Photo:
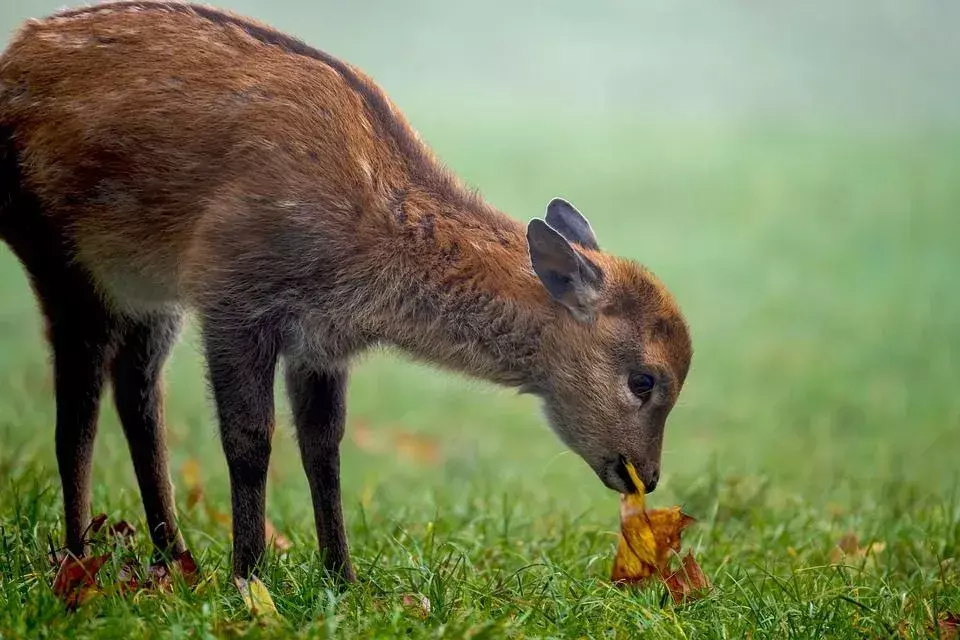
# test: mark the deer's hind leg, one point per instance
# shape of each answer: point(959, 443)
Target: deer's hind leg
point(136, 373)
point(82, 333)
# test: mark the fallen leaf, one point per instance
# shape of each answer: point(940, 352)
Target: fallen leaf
point(417, 604)
point(256, 597)
point(647, 538)
point(221, 518)
point(849, 543)
point(96, 524)
point(848, 548)
point(279, 541)
point(689, 582)
point(949, 626)
point(128, 578)
point(190, 472)
point(417, 448)
point(194, 496)
point(122, 529)
point(187, 567)
point(411, 446)
point(365, 438)
point(76, 579)
point(903, 629)
point(160, 575)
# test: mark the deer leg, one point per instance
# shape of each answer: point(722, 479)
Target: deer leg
point(138, 395)
point(319, 411)
point(81, 347)
point(81, 333)
point(242, 363)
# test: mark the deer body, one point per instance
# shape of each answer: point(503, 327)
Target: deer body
point(156, 156)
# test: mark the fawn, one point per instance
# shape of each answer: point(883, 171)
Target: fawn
point(157, 156)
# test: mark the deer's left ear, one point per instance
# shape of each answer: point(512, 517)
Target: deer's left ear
point(568, 277)
point(570, 223)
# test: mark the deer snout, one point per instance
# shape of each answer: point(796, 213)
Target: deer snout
point(614, 474)
point(647, 470)
point(650, 475)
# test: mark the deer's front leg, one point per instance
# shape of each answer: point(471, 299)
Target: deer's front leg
point(242, 363)
point(319, 410)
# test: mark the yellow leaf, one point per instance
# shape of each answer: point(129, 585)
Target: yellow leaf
point(647, 538)
point(256, 597)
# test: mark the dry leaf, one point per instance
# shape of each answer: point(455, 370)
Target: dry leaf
point(190, 472)
point(949, 626)
point(417, 448)
point(128, 578)
point(279, 541)
point(688, 582)
point(221, 518)
point(194, 496)
point(647, 538)
point(365, 438)
point(417, 604)
point(411, 446)
point(256, 597)
point(76, 579)
point(123, 529)
point(848, 548)
point(96, 524)
point(187, 567)
point(160, 576)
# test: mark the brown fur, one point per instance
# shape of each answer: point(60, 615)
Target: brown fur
point(158, 155)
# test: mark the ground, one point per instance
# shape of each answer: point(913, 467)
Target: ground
point(817, 267)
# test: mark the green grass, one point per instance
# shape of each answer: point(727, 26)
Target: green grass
point(818, 269)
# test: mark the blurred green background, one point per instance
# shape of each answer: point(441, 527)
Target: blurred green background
point(790, 170)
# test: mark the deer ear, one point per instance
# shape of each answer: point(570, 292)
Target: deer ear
point(570, 223)
point(568, 277)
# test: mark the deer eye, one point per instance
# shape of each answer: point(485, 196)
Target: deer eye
point(641, 384)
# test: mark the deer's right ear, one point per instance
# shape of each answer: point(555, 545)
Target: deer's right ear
point(570, 223)
point(568, 277)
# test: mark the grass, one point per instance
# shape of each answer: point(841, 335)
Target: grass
point(817, 267)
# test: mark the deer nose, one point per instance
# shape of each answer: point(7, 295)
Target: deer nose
point(651, 478)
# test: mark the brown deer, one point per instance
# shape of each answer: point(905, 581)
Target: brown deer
point(157, 156)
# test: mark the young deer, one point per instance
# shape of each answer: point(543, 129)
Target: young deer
point(156, 156)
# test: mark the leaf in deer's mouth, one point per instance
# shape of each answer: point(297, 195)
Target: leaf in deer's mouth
point(648, 539)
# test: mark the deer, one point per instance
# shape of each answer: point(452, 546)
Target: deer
point(160, 159)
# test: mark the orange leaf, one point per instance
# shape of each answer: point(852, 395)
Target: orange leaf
point(279, 541)
point(848, 547)
point(194, 496)
point(949, 626)
point(667, 525)
point(187, 567)
point(160, 576)
point(417, 448)
point(689, 582)
point(123, 529)
point(365, 438)
point(647, 538)
point(190, 472)
point(96, 524)
point(76, 579)
point(218, 516)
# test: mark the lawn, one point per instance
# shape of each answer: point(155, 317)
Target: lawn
point(817, 269)
point(816, 260)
